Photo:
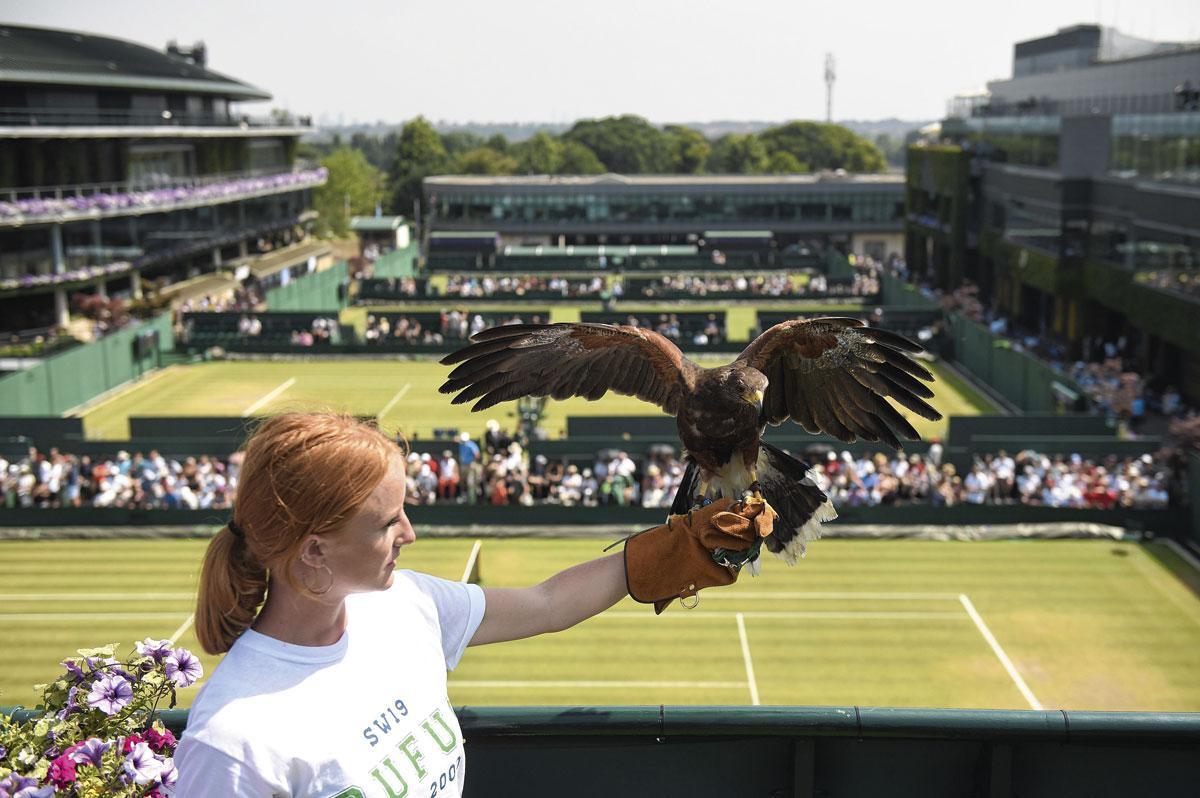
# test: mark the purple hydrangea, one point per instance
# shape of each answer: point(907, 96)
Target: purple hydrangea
point(90, 752)
point(183, 668)
point(142, 765)
point(110, 694)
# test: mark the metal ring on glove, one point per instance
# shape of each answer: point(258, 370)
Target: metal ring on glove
point(695, 601)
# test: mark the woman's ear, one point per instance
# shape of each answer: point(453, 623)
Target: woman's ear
point(313, 551)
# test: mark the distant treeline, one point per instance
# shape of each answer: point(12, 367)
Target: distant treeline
point(622, 144)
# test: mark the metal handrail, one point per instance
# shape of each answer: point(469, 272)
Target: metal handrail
point(34, 117)
point(798, 721)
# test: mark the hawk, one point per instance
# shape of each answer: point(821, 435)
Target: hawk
point(832, 375)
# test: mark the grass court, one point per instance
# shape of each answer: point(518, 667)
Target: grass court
point(1055, 624)
point(402, 394)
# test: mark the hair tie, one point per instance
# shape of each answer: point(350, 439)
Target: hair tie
point(236, 530)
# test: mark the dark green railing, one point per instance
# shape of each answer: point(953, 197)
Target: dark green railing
point(823, 751)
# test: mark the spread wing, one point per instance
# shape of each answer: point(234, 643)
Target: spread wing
point(564, 360)
point(832, 375)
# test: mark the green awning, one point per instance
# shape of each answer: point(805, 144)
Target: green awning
point(485, 235)
point(376, 224)
point(738, 234)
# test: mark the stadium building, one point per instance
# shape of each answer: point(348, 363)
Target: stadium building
point(1070, 194)
point(859, 213)
point(123, 164)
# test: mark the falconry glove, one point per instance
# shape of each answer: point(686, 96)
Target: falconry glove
point(705, 548)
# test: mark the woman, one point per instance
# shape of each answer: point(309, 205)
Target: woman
point(337, 685)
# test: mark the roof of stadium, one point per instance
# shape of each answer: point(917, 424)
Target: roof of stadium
point(60, 57)
point(584, 181)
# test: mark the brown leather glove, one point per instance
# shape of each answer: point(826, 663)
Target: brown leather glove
point(678, 558)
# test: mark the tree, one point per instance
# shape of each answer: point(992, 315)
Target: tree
point(577, 159)
point(459, 141)
point(823, 146)
point(498, 143)
point(352, 182)
point(784, 163)
point(738, 154)
point(419, 153)
point(538, 155)
point(689, 150)
point(485, 161)
point(626, 144)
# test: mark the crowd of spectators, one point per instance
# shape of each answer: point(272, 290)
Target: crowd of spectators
point(497, 470)
point(1105, 371)
point(765, 285)
point(150, 481)
point(470, 286)
point(1028, 478)
point(247, 297)
point(700, 332)
point(450, 325)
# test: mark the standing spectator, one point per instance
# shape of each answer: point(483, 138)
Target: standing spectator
point(448, 477)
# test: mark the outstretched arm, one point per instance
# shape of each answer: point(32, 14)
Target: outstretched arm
point(559, 603)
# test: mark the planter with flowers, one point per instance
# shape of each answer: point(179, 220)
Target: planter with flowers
point(96, 731)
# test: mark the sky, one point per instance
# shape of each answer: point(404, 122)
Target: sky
point(557, 61)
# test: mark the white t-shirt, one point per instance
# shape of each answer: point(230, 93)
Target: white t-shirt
point(366, 716)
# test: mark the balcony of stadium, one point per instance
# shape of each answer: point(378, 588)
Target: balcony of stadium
point(129, 169)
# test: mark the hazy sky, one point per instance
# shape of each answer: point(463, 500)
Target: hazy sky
point(668, 60)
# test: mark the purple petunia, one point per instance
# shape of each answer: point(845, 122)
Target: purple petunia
point(90, 752)
point(155, 649)
point(183, 667)
point(169, 774)
point(142, 765)
point(110, 693)
point(14, 786)
point(73, 669)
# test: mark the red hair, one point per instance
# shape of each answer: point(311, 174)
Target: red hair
point(304, 474)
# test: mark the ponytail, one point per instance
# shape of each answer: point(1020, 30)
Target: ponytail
point(232, 587)
point(284, 493)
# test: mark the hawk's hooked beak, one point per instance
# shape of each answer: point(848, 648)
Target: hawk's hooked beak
point(756, 398)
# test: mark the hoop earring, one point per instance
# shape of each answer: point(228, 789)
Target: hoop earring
point(322, 591)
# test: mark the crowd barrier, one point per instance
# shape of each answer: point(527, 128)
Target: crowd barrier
point(321, 292)
point(69, 379)
point(520, 520)
point(799, 752)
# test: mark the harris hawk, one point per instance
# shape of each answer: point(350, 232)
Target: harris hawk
point(830, 375)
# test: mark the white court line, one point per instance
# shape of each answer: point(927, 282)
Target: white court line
point(96, 596)
point(471, 560)
point(288, 383)
point(868, 616)
point(741, 623)
point(84, 616)
point(121, 391)
point(764, 595)
point(183, 627)
point(1004, 660)
point(1182, 552)
point(597, 684)
point(399, 395)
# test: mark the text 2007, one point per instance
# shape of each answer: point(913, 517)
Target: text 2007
point(438, 785)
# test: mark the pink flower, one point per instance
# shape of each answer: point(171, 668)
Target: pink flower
point(129, 742)
point(159, 740)
point(62, 771)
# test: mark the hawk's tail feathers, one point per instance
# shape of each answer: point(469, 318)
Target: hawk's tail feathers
point(788, 484)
